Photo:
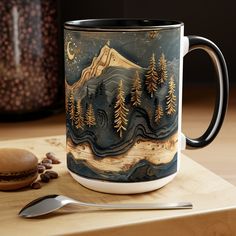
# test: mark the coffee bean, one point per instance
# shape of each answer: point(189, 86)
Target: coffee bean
point(36, 185)
point(41, 168)
point(52, 174)
point(46, 160)
point(47, 165)
point(45, 178)
point(56, 161)
point(52, 156)
point(47, 174)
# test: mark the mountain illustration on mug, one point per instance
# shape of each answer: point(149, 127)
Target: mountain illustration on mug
point(122, 118)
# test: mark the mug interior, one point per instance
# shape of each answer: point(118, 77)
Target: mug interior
point(121, 24)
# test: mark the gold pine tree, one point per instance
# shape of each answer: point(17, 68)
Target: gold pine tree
point(162, 67)
point(171, 98)
point(71, 107)
point(89, 116)
point(151, 76)
point(136, 91)
point(79, 119)
point(159, 113)
point(120, 111)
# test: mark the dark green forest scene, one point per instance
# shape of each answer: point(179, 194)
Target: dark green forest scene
point(122, 104)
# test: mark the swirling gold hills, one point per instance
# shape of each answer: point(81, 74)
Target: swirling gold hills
point(156, 152)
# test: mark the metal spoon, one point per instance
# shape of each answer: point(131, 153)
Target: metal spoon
point(50, 203)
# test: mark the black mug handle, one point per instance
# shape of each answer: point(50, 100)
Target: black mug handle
point(196, 42)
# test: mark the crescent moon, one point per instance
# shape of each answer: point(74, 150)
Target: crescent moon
point(70, 55)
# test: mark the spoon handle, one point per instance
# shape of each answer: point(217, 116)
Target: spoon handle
point(140, 206)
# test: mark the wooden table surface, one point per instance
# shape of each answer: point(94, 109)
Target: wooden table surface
point(213, 199)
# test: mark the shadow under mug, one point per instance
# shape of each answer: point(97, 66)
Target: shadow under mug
point(124, 100)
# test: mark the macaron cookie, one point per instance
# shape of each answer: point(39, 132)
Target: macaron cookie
point(18, 168)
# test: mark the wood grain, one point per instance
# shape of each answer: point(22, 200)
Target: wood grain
point(213, 198)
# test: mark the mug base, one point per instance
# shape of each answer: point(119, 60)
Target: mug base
point(122, 188)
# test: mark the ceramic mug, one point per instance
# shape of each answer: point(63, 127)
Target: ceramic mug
point(124, 100)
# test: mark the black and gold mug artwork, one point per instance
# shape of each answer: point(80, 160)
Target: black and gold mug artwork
point(124, 98)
